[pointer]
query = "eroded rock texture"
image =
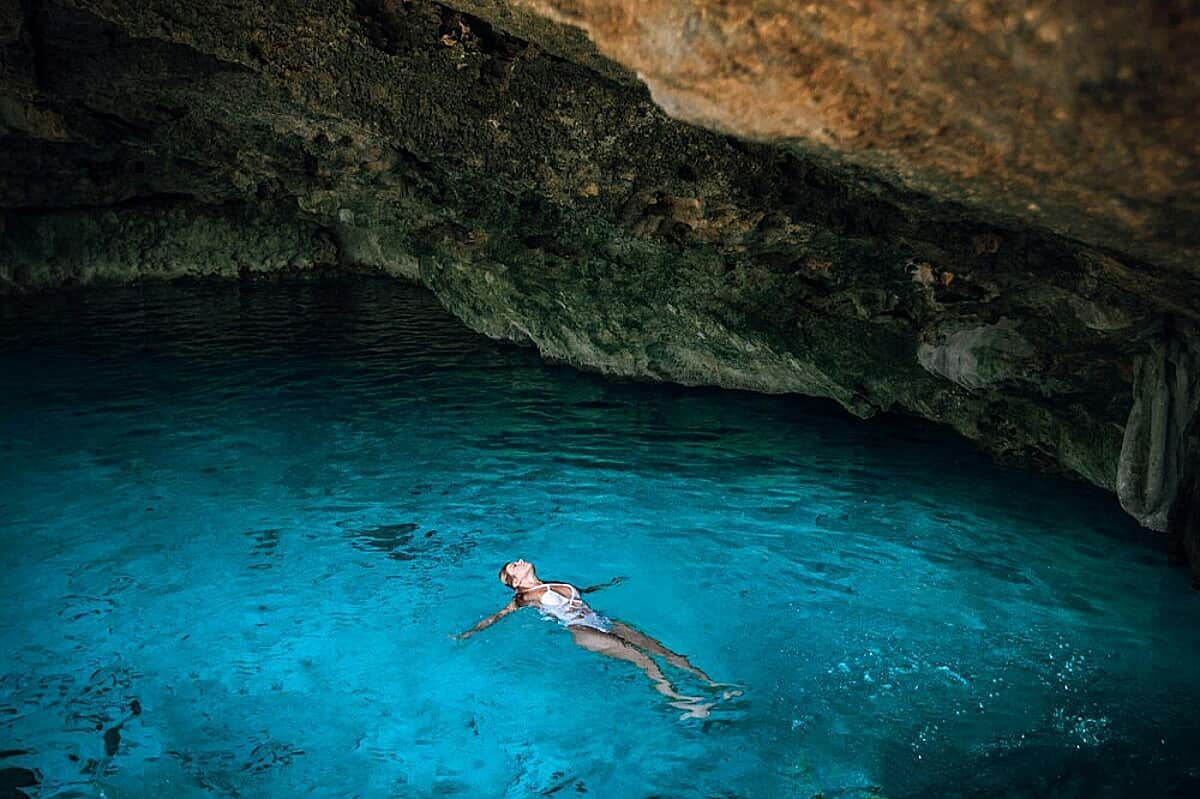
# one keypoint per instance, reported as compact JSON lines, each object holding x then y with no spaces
{"x":1062,"y":112}
{"x":495,"y":155}
{"x":1166,"y":394}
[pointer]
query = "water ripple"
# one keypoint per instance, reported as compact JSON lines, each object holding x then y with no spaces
{"x":259,"y":510}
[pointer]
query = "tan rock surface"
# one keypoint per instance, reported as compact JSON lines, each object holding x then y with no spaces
{"x":1062,"y":113}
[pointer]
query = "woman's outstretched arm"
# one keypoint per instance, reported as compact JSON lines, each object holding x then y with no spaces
{"x":490,"y":620}
{"x":612,"y":582}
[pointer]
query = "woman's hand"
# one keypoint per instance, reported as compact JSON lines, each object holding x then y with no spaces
{"x":609,"y":584}
{"x":460,"y":636}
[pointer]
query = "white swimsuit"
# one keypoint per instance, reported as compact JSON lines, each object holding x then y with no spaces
{"x":571,"y":611}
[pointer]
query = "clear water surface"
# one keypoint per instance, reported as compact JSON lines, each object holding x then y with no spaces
{"x":260,"y":510}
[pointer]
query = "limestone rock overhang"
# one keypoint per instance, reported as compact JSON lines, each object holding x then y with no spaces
{"x":984,"y":216}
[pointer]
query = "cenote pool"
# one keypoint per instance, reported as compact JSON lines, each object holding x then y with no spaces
{"x":260,"y":511}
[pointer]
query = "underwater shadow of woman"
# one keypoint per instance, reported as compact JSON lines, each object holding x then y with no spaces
{"x":597,"y":633}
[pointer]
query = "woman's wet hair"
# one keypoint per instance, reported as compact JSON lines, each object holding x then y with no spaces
{"x":504,"y":574}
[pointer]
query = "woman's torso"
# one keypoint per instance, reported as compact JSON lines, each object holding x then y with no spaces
{"x":563,"y":602}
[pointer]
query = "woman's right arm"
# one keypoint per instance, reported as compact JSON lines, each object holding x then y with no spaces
{"x":490,"y":620}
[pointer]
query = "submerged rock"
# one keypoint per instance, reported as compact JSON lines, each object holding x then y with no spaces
{"x":13,"y":779}
{"x":972,"y":215}
{"x":112,"y":740}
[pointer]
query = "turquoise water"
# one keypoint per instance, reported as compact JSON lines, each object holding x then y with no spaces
{"x":261,"y":511}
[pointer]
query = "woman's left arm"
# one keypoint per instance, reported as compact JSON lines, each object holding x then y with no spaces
{"x":592,"y":588}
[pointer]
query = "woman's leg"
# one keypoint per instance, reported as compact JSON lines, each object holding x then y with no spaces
{"x":643,"y":641}
{"x":613,"y":647}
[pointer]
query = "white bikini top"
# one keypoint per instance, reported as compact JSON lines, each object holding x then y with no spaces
{"x":552,"y":599}
{"x":572,"y":610}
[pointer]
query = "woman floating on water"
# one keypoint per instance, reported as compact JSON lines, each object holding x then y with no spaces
{"x":597,"y":633}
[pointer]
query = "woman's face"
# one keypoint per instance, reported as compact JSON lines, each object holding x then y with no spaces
{"x":520,"y":573}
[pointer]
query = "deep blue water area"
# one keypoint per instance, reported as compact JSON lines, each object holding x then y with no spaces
{"x":260,"y":510}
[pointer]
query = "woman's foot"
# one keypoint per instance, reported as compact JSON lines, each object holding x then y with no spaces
{"x":694,"y":709}
{"x":732,"y":689}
